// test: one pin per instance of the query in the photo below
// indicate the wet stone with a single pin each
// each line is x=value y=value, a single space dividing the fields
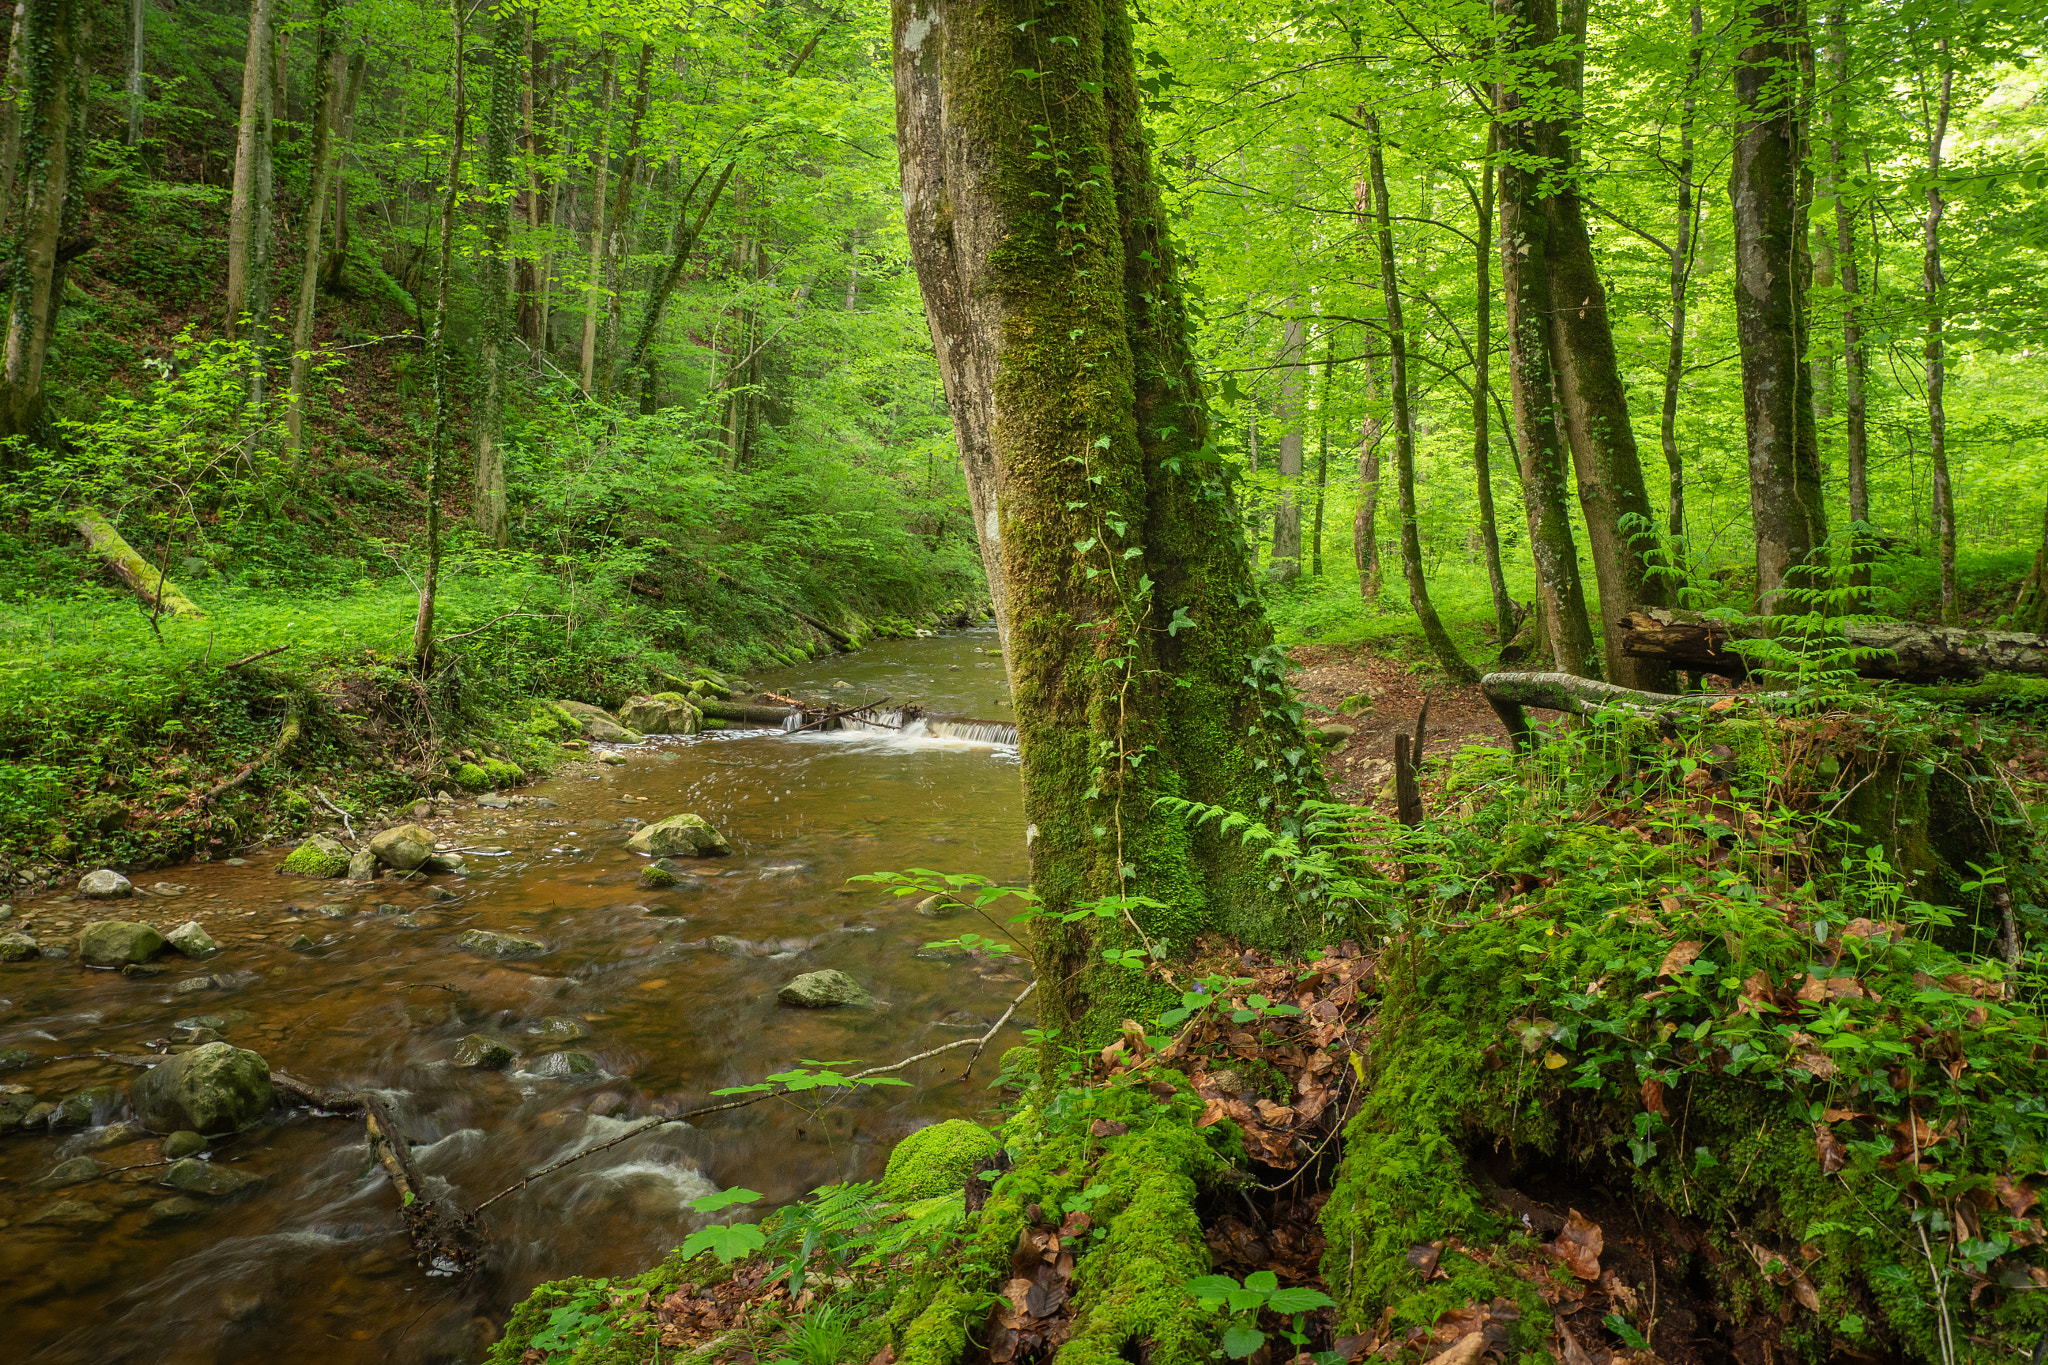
x=824 y=990
x=489 y=943
x=78 y=1109
x=105 y=885
x=560 y=1028
x=387 y=908
x=182 y=1144
x=178 y=1209
x=192 y=940
x=71 y=1213
x=192 y=985
x=193 y=1176
x=144 y=969
x=300 y=943
x=564 y=1064
x=118 y=943
x=216 y=1088
x=72 y=1172
x=16 y=1102
x=15 y=1058
x=362 y=866
x=19 y=947
x=486 y=1053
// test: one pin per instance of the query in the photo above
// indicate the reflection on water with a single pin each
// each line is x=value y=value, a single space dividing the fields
x=674 y=990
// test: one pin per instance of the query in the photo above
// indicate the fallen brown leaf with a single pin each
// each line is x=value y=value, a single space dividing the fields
x=1833 y=1155
x=1465 y=1351
x=1579 y=1245
x=1679 y=958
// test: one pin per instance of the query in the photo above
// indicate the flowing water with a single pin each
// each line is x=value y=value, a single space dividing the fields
x=676 y=989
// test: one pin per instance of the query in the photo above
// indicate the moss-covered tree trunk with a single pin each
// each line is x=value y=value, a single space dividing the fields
x=437 y=368
x=1786 y=512
x=1855 y=364
x=1142 y=662
x=52 y=118
x=1934 y=285
x=1525 y=290
x=1482 y=403
x=249 y=201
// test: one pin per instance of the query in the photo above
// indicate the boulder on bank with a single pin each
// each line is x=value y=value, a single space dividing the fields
x=686 y=835
x=318 y=856
x=823 y=990
x=598 y=723
x=105 y=885
x=362 y=866
x=217 y=1088
x=192 y=940
x=404 y=847
x=936 y=1160
x=490 y=943
x=664 y=713
x=118 y=943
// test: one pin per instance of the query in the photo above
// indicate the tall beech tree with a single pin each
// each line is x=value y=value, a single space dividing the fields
x=249 y=205
x=1290 y=409
x=1141 y=660
x=1933 y=285
x=1855 y=364
x=494 y=274
x=1787 y=513
x=329 y=93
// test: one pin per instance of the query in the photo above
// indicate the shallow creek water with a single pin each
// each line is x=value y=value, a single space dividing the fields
x=311 y=1263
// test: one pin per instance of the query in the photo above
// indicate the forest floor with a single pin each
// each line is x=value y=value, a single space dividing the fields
x=1380 y=697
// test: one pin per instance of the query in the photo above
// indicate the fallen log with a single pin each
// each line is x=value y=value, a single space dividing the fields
x=825 y=718
x=143 y=579
x=1509 y=693
x=446 y=1239
x=1905 y=652
x=746 y=713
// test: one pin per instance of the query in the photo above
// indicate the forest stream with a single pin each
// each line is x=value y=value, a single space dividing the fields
x=675 y=988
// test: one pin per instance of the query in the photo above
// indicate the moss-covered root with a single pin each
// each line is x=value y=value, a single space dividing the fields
x=1137 y=1187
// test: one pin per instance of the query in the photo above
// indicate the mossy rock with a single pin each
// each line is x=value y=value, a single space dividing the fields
x=318 y=856
x=501 y=773
x=471 y=777
x=936 y=1160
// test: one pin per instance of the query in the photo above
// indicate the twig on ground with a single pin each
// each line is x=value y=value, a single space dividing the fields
x=260 y=654
x=348 y=828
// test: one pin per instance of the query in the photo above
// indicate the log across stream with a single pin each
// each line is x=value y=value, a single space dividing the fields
x=673 y=992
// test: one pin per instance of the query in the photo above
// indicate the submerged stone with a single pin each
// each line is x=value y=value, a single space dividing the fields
x=194 y=1176
x=479 y=1051
x=490 y=943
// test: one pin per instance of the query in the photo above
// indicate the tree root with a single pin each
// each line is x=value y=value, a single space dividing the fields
x=287 y=736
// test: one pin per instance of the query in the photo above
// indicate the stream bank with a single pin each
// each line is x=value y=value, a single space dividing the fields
x=666 y=994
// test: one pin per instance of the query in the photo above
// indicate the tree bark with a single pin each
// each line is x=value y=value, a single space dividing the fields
x=2030 y=609
x=1855 y=430
x=1681 y=281
x=330 y=78
x=1453 y=663
x=1787 y=515
x=249 y=205
x=1934 y=286
x=1063 y=343
x=51 y=150
x=1915 y=653
x=1315 y=556
x=138 y=12
x=1482 y=400
x=494 y=276
x=600 y=200
x=437 y=368
x=1285 y=565
x=10 y=111
x=1525 y=288
x=618 y=242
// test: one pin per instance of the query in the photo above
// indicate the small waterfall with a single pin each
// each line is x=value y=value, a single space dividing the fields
x=973 y=731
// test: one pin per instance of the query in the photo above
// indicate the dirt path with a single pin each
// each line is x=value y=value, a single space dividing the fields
x=1361 y=769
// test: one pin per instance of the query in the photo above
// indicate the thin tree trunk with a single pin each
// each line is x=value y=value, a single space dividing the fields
x=1787 y=515
x=1365 y=543
x=1454 y=665
x=52 y=129
x=1855 y=434
x=330 y=79
x=335 y=268
x=527 y=286
x=437 y=369
x=249 y=206
x=600 y=199
x=494 y=277
x=1285 y=565
x=618 y=242
x=1681 y=280
x=2030 y=610
x=1934 y=286
x=137 y=16
x=1482 y=402
x=1322 y=456
x=1525 y=288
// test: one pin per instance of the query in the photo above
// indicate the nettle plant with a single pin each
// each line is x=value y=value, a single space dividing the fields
x=1260 y=1292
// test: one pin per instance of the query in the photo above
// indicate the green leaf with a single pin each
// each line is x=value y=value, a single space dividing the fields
x=1210 y=1290
x=725 y=1199
x=1241 y=1341
x=1299 y=1299
x=727 y=1241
